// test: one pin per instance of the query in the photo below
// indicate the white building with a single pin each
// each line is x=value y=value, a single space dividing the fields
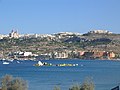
x=100 y=32
x=62 y=55
x=2 y=36
x=27 y=54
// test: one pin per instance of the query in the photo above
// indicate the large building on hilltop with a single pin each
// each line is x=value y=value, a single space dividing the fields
x=14 y=34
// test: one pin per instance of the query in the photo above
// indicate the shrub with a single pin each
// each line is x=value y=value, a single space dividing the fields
x=56 y=88
x=87 y=85
x=10 y=83
x=75 y=87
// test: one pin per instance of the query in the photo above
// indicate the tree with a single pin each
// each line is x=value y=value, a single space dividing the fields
x=56 y=88
x=10 y=83
x=87 y=85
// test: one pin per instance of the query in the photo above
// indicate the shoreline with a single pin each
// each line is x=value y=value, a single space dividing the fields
x=59 y=59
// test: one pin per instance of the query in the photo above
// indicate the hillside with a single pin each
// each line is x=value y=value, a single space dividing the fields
x=61 y=43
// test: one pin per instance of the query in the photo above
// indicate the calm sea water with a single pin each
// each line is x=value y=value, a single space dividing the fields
x=105 y=74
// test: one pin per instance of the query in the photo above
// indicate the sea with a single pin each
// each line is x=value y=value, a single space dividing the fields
x=105 y=74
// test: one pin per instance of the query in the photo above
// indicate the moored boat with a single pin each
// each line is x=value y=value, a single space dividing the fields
x=39 y=64
x=5 y=62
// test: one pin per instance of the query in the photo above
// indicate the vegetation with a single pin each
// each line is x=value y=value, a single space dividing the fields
x=56 y=88
x=10 y=83
x=87 y=85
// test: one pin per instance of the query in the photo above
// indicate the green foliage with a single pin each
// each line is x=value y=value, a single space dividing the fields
x=75 y=87
x=10 y=83
x=87 y=85
x=56 y=88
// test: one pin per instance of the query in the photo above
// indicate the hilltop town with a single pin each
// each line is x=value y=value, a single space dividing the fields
x=96 y=44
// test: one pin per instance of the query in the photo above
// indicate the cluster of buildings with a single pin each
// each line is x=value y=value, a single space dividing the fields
x=15 y=34
x=78 y=55
x=66 y=54
x=97 y=55
x=12 y=34
x=100 y=32
x=22 y=55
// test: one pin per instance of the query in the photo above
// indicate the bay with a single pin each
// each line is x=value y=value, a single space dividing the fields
x=104 y=73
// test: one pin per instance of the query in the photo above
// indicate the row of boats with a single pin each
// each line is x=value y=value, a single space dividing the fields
x=50 y=64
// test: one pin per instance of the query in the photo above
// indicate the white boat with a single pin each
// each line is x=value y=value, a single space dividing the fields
x=18 y=62
x=5 y=62
x=3 y=59
x=40 y=63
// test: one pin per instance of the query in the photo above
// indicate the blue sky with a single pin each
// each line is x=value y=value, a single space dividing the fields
x=52 y=16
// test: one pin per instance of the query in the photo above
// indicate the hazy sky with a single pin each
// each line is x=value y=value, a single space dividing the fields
x=52 y=16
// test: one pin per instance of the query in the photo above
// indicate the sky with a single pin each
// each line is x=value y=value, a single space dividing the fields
x=52 y=16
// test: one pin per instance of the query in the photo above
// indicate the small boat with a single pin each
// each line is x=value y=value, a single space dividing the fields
x=18 y=62
x=5 y=62
x=43 y=64
x=39 y=64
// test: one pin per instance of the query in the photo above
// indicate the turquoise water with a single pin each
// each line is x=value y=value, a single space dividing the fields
x=105 y=74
